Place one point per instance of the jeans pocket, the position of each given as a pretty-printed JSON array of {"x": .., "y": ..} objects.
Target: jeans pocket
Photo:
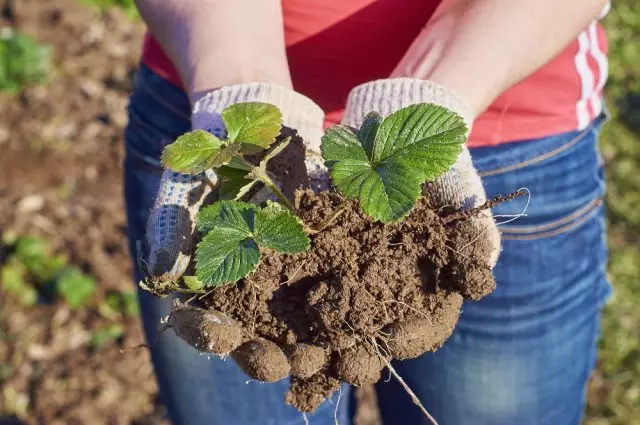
[
  {"x": 537, "y": 157},
  {"x": 556, "y": 227},
  {"x": 563, "y": 174}
]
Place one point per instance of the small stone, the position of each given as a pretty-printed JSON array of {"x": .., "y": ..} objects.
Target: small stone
[{"x": 29, "y": 204}]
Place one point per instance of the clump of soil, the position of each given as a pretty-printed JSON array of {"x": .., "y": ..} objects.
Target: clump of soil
[{"x": 363, "y": 294}]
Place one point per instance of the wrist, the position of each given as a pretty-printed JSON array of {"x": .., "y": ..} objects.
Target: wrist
[
  {"x": 207, "y": 75},
  {"x": 201, "y": 85}
]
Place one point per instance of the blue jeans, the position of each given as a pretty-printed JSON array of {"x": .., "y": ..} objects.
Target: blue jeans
[{"x": 522, "y": 355}]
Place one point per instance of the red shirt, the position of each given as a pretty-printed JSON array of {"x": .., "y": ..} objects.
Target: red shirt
[{"x": 330, "y": 49}]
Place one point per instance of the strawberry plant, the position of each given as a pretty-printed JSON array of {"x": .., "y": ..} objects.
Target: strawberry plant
[
  {"x": 383, "y": 165},
  {"x": 333, "y": 287}
]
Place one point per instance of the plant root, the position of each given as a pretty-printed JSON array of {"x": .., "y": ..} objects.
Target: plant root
[
  {"x": 406, "y": 387},
  {"x": 452, "y": 218}
]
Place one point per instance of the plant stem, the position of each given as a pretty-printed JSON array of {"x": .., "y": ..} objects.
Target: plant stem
[
  {"x": 260, "y": 174},
  {"x": 264, "y": 178},
  {"x": 327, "y": 222}
]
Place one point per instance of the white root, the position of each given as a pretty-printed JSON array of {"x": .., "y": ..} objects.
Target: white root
[{"x": 406, "y": 387}]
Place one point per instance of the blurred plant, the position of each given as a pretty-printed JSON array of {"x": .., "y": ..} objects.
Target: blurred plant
[
  {"x": 106, "y": 335},
  {"x": 23, "y": 61},
  {"x": 128, "y": 6},
  {"x": 76, "y": 287},
  {"x": 615, "y": 391},
  {"x": 119, "y": 303},
  {"x": 32, "y": 271}
]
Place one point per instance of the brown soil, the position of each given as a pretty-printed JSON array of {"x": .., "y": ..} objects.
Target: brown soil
[
  {"x": 363, "y": 290},
  {"x": 60, "y": 178}
]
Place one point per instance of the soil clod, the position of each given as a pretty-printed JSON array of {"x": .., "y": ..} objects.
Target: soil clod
[
  {"x": 206, "y": 330},
  {"x": 263, "y": 360},
  {"x": 306, "y": 360},
  {"x": 363, "y": 294}
]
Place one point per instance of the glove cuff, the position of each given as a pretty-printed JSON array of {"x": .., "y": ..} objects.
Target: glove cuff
[
  {"x": 298, "y": 111},
  {"x": 389, "y": 95}
]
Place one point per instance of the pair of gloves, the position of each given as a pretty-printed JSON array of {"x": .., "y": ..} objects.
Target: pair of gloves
[{"x": 172, "y": 220}]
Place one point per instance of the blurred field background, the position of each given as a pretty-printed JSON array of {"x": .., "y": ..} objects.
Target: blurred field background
[{"x": 67, "y": 304}]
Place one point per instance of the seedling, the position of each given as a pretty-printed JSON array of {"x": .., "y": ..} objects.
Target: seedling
[
  {"x": 23, "y": 61},
  {"x": 383, "y": 165},
  {"x": 32, "y": 272}
]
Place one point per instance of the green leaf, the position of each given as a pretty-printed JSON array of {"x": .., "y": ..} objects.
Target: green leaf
[
  {"x": 76, "y": 287},
  {"x": 195, "y": 152},
  {"x": 12, "y": 281},
  {"x": 130, "y": 303},
  {"x": 224, "y": 257},
  {"x": 192, "y": 282},
  {"x": 277, "y": 228},
  {"x": 385, "y": 164},
  {"x": 237, "y": 163},
  {"x": 36, "y": 255},
  {"x": 234, "y": 183},
  {"x": 369, "y": 131},
  {"x": 237, "y": 217},
  {"x": 118, "y": 303},
  {"x": 229, "y": 250},
  {"x": 252, "y": 123}
]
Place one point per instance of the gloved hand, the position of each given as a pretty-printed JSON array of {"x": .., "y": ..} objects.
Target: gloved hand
[
  {"x": 172, "y": 219},
  {"x": 460, "y": 187},
  {"x": 171, "y": 225}
]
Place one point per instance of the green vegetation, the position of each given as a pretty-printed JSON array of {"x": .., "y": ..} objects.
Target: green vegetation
[
  {"x": 386, "y": 162},
  {"x": 23, "y": 61},
  {"x": 614, "y": 398},
  {"x": 128, "y": 6},
  {"x": 32, "y": 273},
  {"x": 383, "y": 165}
]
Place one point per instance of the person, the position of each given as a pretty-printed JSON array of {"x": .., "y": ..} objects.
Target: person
[{"x": 526, "y": 76}]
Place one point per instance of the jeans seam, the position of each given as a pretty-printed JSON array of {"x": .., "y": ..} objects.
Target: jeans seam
[
  {"x": 571, "y": 226},
  {"x": 575, "y": 215},
  {"x": 538, "y": 158}
]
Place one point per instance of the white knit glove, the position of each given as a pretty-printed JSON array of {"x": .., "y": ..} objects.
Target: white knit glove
[
  {"x": 172, "y": 219},
  {"x": 460, "y": 187}
]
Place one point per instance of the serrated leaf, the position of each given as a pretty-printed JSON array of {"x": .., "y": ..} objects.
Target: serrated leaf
[
  {"x": 277, "y": 228},
  {"x": 369, "y": 131},
  {"x": 195, "y": 152},
  {"x": 229, "y": 250},
  {"x": 385, "y": 164},
  {"x": 224, "y": 256},
  {"x": 234, "y": 216},
  {"x": 252, "y": 123}
]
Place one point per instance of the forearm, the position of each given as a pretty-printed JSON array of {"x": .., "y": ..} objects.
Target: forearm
[
  {"x": 215, "y": 43},
  {"x": 480, "y": 48}
]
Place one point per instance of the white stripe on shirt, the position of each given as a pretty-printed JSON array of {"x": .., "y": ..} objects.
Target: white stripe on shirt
[
  {"x": 603, "y": 68},
  {"x": 586, "y": 80}
]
